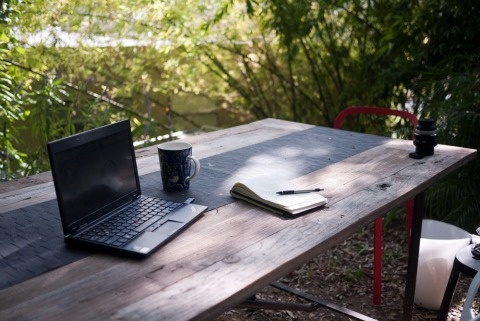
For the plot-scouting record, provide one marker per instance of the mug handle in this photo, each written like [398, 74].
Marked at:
[197, 167]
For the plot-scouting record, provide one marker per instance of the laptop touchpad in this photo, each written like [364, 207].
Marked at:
[147, 241]
[184, 214]
[168, 228]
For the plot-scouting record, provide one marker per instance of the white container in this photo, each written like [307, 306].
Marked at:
[438, 245]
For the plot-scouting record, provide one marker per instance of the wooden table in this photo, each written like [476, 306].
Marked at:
[235, 250]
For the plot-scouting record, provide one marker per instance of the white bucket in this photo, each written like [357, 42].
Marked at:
[438, 245]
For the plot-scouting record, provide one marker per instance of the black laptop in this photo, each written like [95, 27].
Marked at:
[99, 197]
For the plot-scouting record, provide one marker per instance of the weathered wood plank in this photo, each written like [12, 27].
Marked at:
[235, 250]
[307, 237]
[39, 188]
[214, 143]
[17, 184]
[27, 196]
[236, 137]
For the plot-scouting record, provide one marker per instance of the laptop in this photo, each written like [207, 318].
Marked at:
[99, 198]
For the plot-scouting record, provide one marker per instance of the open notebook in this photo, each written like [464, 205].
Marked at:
[262, 191]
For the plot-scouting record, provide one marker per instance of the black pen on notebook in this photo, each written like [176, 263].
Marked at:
[301, 191]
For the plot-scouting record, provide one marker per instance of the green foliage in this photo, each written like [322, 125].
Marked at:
[301, 60]
[447, 86]
[311, 58]
[11, 96]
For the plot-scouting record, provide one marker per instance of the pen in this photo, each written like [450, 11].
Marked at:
[300, 191]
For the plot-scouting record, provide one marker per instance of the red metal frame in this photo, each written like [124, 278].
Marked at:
[373, 110]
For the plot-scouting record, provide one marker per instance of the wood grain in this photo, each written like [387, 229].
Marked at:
[235, 250]
[39, 188]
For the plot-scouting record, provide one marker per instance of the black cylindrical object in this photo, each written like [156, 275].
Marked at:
[425, 137]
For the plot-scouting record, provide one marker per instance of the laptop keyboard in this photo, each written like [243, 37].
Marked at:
[123, 226]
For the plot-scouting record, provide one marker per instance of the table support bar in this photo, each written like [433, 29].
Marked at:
[317, 303]
[270, 305]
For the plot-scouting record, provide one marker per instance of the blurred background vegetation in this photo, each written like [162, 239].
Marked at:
[195, 65]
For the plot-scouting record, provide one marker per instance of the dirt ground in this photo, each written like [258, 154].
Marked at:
[344, 275]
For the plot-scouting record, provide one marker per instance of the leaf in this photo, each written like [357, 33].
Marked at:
[4, 38]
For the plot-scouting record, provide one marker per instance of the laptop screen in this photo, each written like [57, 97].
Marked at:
[93, 172]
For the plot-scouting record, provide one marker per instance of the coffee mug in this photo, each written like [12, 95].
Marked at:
[175, 165]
